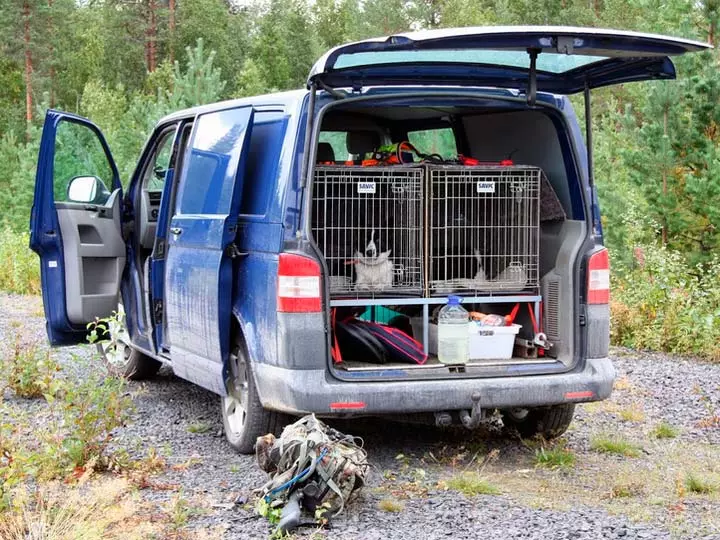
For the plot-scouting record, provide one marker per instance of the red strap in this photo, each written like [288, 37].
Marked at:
[532, 318]
[514, 313]
[335, 350]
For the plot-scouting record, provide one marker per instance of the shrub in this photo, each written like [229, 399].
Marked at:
[31, 372]
[92, 409]
[19, 267]
[667, 304]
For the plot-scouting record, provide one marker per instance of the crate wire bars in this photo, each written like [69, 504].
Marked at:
[482, 235]
[359, 215]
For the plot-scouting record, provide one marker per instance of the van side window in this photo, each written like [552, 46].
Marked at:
[159, 162]
[266, 142]
[435, 141]
[207, 184]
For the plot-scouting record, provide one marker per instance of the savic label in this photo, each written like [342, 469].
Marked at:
[367, 187]
[486, 187]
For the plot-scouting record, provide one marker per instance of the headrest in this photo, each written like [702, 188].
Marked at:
[362, 142]
[325, 153]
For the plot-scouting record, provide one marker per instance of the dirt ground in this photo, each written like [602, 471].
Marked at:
[194, 485]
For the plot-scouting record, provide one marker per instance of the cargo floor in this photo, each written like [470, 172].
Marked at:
[433, 363]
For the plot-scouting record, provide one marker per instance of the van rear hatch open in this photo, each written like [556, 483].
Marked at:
[566, 59]
[347, 216]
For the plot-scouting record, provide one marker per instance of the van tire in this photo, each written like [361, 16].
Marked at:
[140, 366]
[137, 366]
[547, 422]
[251, 420]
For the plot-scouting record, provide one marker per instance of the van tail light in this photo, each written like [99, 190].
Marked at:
[598, 291]
[298, 289]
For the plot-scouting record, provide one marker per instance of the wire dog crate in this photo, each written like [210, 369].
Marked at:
[484, 229]
[368, 223]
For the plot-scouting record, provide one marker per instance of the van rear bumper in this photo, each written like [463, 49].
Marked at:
[315, 391]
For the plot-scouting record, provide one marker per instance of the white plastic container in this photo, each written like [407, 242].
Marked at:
[453, 329]
[491, 342]
[484, 342]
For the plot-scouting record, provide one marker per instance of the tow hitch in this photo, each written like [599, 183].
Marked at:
[472, 419]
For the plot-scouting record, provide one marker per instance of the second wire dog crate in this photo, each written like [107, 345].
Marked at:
[483, 228]
[476, 231]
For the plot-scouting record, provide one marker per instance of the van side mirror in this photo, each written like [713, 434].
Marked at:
[87, 189]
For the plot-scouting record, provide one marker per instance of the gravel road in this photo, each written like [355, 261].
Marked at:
[410, 464]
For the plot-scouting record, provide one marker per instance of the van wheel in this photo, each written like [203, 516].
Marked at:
[120, 358]
[548, 422]
[244, 418]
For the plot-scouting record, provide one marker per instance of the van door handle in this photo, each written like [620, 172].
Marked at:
[175, 230]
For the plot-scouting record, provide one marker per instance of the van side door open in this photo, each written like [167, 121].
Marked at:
[198, 272]
[75, 226]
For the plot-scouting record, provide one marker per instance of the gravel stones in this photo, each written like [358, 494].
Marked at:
[683, 392]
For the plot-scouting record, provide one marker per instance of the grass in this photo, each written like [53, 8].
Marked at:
[664, 430]
[19, 267]
[700, 486]
[554, 458]
[199, 427]
[614, 445]
[623, 383]
[471, 484]
[625, 490]
[634, 413]
[56, 512]
[391, 505]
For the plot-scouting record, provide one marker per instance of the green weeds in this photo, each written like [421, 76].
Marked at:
[665, 430]
[554, 458]
[614, 445]
[19, 267]
[471, 484]
[391, 505]
[698, 485]
[666, 304]
[30, 372]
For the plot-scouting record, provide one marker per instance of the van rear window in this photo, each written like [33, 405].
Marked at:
[338, 141]
[435, 141]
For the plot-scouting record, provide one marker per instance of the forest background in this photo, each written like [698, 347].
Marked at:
[126, 63]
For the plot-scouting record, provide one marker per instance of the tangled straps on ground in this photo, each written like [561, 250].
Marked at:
[311, 466]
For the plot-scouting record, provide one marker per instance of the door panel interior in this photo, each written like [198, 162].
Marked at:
[94, 257]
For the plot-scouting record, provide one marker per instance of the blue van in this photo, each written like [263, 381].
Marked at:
[411, 167]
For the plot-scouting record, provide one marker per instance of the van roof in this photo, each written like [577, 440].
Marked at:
[293, 98]
[283, 99]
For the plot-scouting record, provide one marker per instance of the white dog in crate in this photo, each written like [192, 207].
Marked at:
[373, 270]
[512, 277]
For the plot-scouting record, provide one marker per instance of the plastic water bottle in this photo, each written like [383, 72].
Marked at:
[453, 328]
